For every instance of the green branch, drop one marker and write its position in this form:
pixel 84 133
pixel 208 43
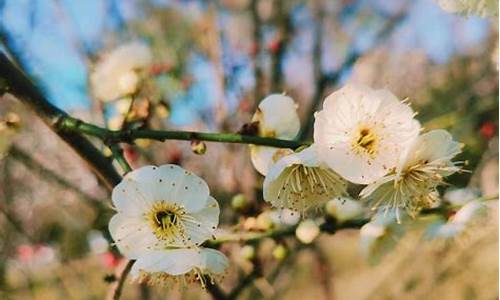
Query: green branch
pixel 120 159
pixel 69 124
pixel 329 226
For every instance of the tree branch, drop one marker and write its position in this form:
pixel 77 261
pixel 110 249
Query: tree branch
pixel 118 156
pixel 329 226
pixel 214 290
pixel 24 158
pixel 256 52
pixel 116 290
pixel 69 124
pixel 284 29
pixel 18 84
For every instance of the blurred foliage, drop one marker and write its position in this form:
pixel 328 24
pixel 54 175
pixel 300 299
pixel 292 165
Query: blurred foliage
pixel 46 251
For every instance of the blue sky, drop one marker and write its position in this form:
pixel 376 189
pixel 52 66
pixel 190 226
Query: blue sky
pixel 53 36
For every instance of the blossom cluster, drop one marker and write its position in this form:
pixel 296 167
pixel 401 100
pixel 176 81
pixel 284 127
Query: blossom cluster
pixel 363 137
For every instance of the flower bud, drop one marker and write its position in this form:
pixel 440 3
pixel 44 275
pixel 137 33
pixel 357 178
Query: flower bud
pixel 239 202
pixel 264 221
pixel 162 110
pixel 198 147
pixel 307 231
pixel 247 252
pixel 12 120
pixel 280 252
pixel 343 209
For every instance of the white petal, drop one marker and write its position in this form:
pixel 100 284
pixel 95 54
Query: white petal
pixel 129 198
pixel 344 208
pixel 213 261
pixel 469 212
pixel 171 261
pixel 132 235
pixel 115 75
pixel 369 189
pixel 171 183
pixel 184 188
pixel 201 225
pixel 435 145
pixel 263 157
pixel 460 197
pixel 279 115
pixel 306 157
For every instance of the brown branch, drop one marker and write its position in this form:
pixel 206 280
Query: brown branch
pixel 10 215
pixel 256 52
pixel 18 84
pixel 213 289
pixel 324 271
pixel 116 289
pixel 284 31
pixel 23 157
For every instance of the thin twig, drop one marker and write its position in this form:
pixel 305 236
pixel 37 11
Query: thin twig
pixel 328 227
pixel 117 287
pixel 256 52
pixel 118 156
pixel 213 289
pixel 284 29
pixel 23 157
pixel 248 279
pixel 70 124
pixel 324 271
pixel 243 283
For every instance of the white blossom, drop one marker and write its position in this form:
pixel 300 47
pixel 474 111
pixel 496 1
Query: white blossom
pixel 469 215
pixel 460 197
pixel 412 186
pixel 117 74
pixel 361 132
pixel 344 208
pixel 160 208
pixel 307 231
pixel 299 182
pixel 276 117
pixel 481 8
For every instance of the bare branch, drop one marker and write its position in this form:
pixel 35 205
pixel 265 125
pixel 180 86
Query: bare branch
pixel 19 85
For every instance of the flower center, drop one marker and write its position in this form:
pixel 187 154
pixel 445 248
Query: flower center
pixel 366 141
pixel 166 221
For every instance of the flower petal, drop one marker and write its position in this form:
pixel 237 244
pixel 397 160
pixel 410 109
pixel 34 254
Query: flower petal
pixel 142 187
pixel 201 225
pixel 132 235
pixel 171 261
pixel 278 114
pixel 263 157
pixel 213 261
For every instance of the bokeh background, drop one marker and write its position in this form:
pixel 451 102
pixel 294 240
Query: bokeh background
pixel 213 62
